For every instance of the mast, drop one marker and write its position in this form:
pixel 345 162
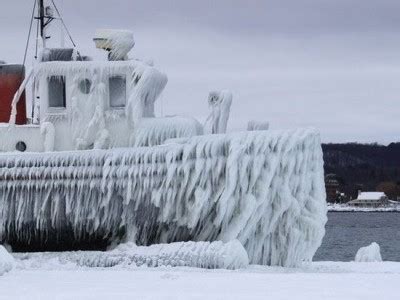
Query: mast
pixel 45 16
pixel 42 25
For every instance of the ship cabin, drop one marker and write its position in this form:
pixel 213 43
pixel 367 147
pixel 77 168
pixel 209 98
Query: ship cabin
pixel 76 104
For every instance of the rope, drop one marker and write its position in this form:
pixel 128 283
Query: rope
pixel 29 33
pixel 66 29
pixel 37 38
pixel 62 21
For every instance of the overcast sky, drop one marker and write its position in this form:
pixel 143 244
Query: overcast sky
pixel 330 64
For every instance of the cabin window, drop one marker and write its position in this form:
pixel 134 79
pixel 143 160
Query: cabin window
pixel 85 85
pixel 57 95
pixel 117 86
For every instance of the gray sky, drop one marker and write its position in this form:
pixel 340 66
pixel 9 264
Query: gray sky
pixel 331 64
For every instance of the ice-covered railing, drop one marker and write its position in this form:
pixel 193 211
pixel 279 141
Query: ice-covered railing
pixel 155 131
pixel 257 125
pixel 264 188
pixel 209 255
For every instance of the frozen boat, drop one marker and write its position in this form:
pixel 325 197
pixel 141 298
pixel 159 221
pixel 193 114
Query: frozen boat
pixel 94 166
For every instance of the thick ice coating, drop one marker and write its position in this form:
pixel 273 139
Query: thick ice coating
pixel 220 105
pixel 371 253
pixel 209 255
pixel 263 188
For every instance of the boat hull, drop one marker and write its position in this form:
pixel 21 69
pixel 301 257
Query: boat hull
pixel 265 189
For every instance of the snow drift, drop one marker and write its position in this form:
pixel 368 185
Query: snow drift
pixel 263 188
pixel 371 253
pixel 6 261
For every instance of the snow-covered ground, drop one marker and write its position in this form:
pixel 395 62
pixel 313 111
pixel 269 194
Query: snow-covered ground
pixel 35 278
pixel 344 207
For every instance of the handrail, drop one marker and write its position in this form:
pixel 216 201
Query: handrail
pixel 16 98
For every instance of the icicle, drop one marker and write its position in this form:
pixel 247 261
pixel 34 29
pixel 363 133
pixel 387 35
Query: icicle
pixel 48 131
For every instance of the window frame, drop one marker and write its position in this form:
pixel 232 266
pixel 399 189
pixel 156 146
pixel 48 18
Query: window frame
pixel 124 78
pixel 51 107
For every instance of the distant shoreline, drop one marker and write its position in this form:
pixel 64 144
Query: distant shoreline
pixel 346 208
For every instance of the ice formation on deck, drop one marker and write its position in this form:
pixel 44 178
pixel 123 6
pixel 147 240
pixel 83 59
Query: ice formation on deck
pixel 220 104
pixel 264 188
pixel 371 253
pixel 6 261
pixel 117 42
pixel 214 255
pixel 155 131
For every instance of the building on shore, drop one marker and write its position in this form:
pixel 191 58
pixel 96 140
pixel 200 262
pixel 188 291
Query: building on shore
pixel 370 199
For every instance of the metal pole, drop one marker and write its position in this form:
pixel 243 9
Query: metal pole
pixel 42 22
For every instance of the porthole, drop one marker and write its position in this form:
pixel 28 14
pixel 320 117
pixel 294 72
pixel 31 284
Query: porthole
pixel 85 85
pixel 20 146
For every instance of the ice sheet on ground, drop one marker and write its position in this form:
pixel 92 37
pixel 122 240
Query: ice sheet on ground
pixel 318 280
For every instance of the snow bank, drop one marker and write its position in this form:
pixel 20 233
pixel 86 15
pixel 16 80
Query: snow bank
pixel 333 281
pixel 264 188
pixel 371 253
pixel 209 255
pixel 6 261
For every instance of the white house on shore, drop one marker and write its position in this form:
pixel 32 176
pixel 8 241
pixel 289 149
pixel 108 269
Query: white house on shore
pixel 370 199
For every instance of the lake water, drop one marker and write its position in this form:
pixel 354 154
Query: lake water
pixel 346 232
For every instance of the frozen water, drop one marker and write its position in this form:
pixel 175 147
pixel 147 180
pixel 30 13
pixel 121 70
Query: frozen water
pixel 220 104
pixel 371 253
pixel 210 255
pixel 48 131
pixel 264 188
pixel 118 42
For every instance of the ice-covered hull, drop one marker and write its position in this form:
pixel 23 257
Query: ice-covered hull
pixel 265 189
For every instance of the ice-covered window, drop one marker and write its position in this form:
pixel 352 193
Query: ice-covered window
pixel 85 86
pixel 117 86
pixel 57 96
